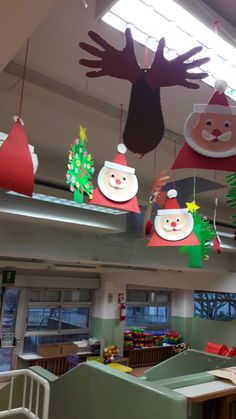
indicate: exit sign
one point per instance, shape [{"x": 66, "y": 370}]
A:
[{"x": 8, "y": 277}]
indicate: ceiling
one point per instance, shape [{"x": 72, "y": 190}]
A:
[{"x": 53, "y": 106}]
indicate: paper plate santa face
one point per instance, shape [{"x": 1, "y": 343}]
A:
[
  {"x": 211, "y": 129},
  {"x": 116, "y": 180},
  {"x": 117, "y": 185},
  {"x": 173, "y": 225},
  {"x": 176, "y": 226}
]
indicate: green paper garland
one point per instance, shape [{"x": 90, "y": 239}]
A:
[
  {"x": 205, "y": 233},
  {"x": 80, "y": 168},
  {"x": 231, "y": 195}
]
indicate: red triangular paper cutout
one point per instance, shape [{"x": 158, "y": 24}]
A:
[
  {"x": 191, "y": 240},
  {"x": 99, "y": 199},
  {"x": 16, "y": 166},
  {"x": 216, "y": 245},
  {"x": 188, "y": 158}
]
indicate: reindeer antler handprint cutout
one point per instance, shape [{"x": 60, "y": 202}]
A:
[{"x": 145, "y": 126}]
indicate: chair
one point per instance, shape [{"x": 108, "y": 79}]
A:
[{"x": 72, "y": 361}]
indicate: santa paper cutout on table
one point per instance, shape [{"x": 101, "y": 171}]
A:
[
  {"x": 210, "y": 133},
  {"x": 117, "y": 184},
  {"x": 173, "y": 225}
]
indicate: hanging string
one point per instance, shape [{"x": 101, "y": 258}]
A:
[
  {"x": 146, "y": 56},
  {"x": 154, "y": 167},
  {"x": 174, "y": 170},
  {"x": 194, "y": 186},
  {"x": 23, "y": 79},
  {"x": 121, "y": 121}
]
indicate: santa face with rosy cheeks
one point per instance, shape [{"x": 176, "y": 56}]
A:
[
  {"x": 173, "y": 224},
  {"x": 117, "y": 185},
  {"x": 212, "y": 134}
]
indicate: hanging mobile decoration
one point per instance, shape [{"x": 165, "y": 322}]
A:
[
  {"x": 173, "y": 225},
  {"x": 156, "y": 197},
  {"x": 205, "y": 234},
  {"x": 210, "y": 134},
  {"x": 117, "y": 184},
  {"x": 18, "y": 163},
  {"x": 80, "y": 168},
  {"x": 145, "y": 125},
  {"x": 216, "y": 240},
  {"x": 231, "y": 195}
]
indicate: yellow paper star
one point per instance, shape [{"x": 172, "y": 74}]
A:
[
  {"x": 192, "y": 206},
  {"x": 82, "y": 134}
]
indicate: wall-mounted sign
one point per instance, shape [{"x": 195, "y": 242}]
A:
[{"x": 8, "y": 277}]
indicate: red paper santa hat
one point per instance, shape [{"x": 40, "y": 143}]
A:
[
  {"x": 119, "y": 162},
  {"x": 172, "y": 205},
  {"x": 218, "y": 103}
]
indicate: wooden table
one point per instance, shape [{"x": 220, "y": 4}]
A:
[{"x": 218, "y": 397}]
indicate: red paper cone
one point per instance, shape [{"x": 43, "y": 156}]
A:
[{"x": 16, "y": 166}]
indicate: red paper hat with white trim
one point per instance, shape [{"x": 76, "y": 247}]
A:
[
  {"x": 172, "y": 205},
  {"x": 119, "y": 162},
  {"x": 218, "y": 102}
]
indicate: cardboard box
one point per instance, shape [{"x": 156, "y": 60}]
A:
[
  {"x": 49, "y": 350},
  {"x": 68, "y": 348}
]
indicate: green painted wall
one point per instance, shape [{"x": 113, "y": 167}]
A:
[
  {"x": 197, "y": 332},
  {"x": 112, "y": 330}
]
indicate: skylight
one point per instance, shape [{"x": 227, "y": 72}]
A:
[{"x": 151, "y": 20}]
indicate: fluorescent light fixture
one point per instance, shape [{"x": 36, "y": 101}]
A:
[
  {"x": 151, "y": 20},
  {"x": 67, "y": 202}
]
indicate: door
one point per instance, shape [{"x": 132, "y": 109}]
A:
[{"x": 8, "y": 310}]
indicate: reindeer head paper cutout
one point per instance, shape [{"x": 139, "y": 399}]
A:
[
  {"x": 145, "y": 125},
  {"x": 210, "y": 134}
]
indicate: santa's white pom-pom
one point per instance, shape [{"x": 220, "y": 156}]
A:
[
  {"x": 220, "y": 85},
  {"x": 121, "y": 148},
  {"x": 16, "y": 118},
  {"x": 172, "y": 193}
]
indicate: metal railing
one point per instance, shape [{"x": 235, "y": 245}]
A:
[{"x": 32, "y": 401}]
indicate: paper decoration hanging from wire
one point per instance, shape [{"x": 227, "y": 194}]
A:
[
  {"x": 156, "y": 197},
  {"x": 145, "y": 125},
  {"x": 231, "y": 195},
  {"x": 205, "y": 234},
  {"x": 117, "y": 184},
  {"x": 80, "y": 168},
  {"x": 18, "y": 162},
  {"x": 210, "y": 134},
  {"x": 173, "y": 225}
]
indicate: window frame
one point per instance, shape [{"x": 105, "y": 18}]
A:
[
  {"x": 59, "y": 304},
  {"x": 214, "y": 299},
  {"x": 150, "y": 303}
]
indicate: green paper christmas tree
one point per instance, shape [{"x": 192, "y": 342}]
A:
[
  {"x": 231, "y": 195},
  {"x": 204, "y": 232},
  {"x": 80, "y": 168}
]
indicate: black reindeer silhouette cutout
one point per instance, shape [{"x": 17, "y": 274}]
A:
[{"x": 145, "y": 125}]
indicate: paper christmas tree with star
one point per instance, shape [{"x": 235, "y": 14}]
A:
[
  {"x": 205, "y": 234},
  {"x": 173, "y": 225},
  {"x": 80, "y": 168}
]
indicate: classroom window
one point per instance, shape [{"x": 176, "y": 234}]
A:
[
  {"x": 215, "y": 305},
  {"x": 148, "y": 309},
  {"x": 57, "y": 315}
]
